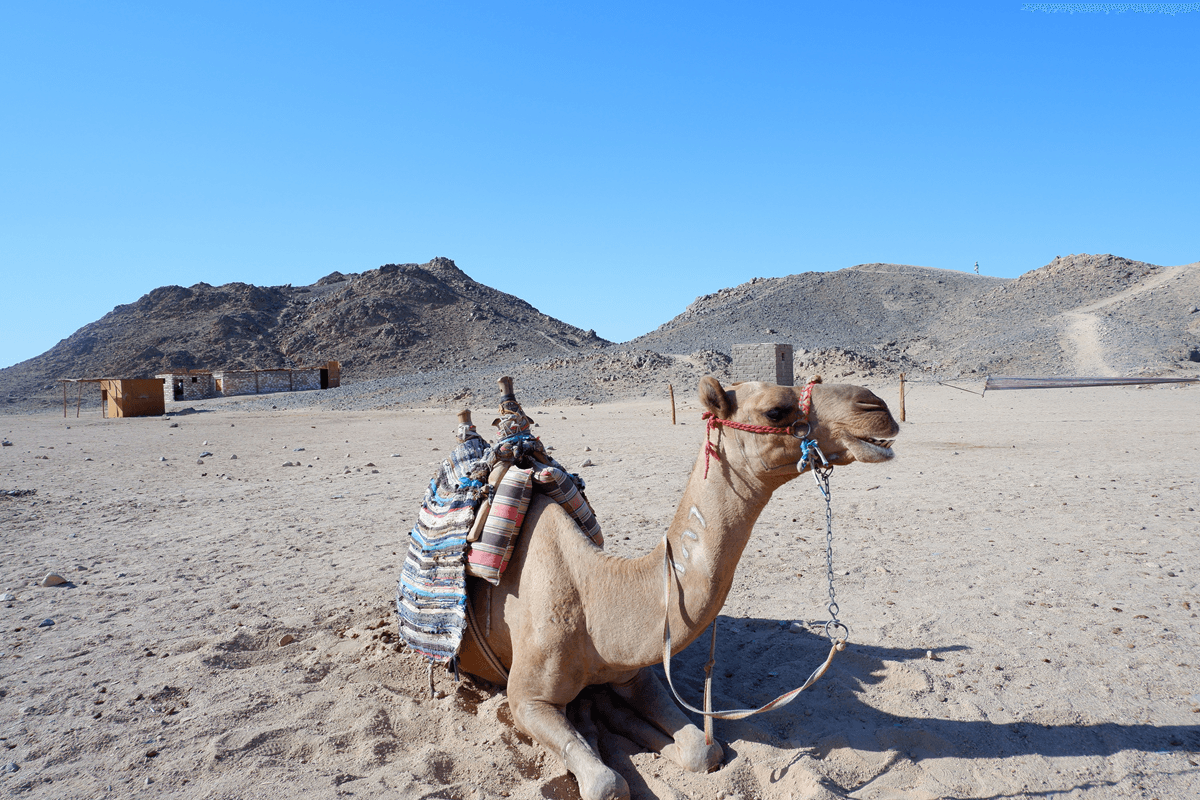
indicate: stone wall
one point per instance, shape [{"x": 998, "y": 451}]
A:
[
  {"x": 264, "y": 381},
  {"x": 763, "y": 362},
  {"x": 183, "y": 387}
]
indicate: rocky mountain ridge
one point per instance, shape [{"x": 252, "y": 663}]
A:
[{"x": 412, "y": 333}]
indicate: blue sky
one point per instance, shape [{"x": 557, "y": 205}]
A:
[{"x": 606, "y": 162}]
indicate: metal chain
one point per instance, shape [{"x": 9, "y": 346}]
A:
[{"x": 821, "y": 473}]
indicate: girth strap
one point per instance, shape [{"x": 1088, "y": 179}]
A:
[{"x": 488, "y": 655}]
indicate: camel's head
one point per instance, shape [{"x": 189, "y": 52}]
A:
[{"x": 848, "y": 422}]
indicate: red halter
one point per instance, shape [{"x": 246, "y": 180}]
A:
[{"x": 715, "y": 422}]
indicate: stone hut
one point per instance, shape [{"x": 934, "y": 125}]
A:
[
  {"x": 185, "y": 386},
  {"x": 763, "y": 362},
  {"x": 202, "y": 384}
]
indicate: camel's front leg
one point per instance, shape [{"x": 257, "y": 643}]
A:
[
  {"x": 645, "y": 693},
  {"x": 546, "y": 722}
]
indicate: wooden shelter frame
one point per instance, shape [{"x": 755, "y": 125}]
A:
[{"x": 79, "y": 382}]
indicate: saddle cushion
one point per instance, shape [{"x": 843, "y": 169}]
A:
[
  {"x": 488, "y": 557},
  {"x": 561, "y": 488}
]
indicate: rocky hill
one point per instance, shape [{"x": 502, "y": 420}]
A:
[
  {"x": 1083, "y": 314},
  {"x": 408, "y": 333},
  {"x": 398, "y": 318}
]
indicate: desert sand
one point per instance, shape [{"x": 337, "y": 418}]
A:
[{"x": 1020, "y": 584}]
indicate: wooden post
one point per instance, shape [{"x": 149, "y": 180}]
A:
[
  {"x": 671, "y": 389},
  {"x": 902, "y": 397},
  {"x": 64, "y": 383}
]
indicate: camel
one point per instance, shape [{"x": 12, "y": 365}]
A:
[{"x": 567, "y": 616}]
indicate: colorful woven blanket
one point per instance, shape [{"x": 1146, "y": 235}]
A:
[{"x": 432, "y": 594}]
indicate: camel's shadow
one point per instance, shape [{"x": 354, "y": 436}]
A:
[{"x": 838, "y": 699}]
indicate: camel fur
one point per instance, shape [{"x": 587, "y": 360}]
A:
[{"x": 566, "y": 615}]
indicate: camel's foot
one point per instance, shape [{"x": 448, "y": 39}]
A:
[
  {"x": 575, "y": 746},
  {"x": 596, "y": 781},
  {"x": 690, "y": 752}
]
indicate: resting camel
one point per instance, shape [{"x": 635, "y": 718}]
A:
[{"x": 566, "y": 615}]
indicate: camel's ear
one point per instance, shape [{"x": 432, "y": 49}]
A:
[{"x": 713, "y": 396}]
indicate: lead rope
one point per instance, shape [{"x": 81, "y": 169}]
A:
[{"x": 821, "y": 471}]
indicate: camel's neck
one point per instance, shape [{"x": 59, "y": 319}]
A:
[{"x": 707, "y": 536}]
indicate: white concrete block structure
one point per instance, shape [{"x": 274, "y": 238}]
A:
[
  {"x": 763, "y": 362},
  {"x": 201, "y": 384}
]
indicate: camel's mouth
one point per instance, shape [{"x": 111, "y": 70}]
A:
[{"x": 868, "y": 449}]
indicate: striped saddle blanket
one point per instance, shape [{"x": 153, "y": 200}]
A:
[{"x": 431, "y": 597}]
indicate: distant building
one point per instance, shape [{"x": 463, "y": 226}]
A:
[
  {"x": 121, "y": 397},
  {"x": 202, "y": 384},
  {"x": 131, "y": 397},
  {"x": 184, "y": 386},
  {"x": 763, "y": 362}
]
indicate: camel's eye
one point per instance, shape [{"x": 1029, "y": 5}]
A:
[{"x": 776, "y": 414}]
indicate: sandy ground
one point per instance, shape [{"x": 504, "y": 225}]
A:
[{"x": 1042, "y": 545}]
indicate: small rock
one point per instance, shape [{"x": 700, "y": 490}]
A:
[
  {"x": 368, "y": 464},
  {"x": 286, "y": 639},
  {"x": 6, "y": 443},
  {"x": 587, "y": 463},
  {"x": 162, "y": 458},
  {"x": 199, "y": 460},
  {"x": 11, "y": 767},
  {"x": 173, "y": 425},
  {"x": 587, "y": 449},
  {"x": 205, "y": 454},
  {"x": 46, "y": 623},
  {"x": 53, "y": 579},
  {"x": 298, "y": 450},
  {"x": 288, "y": 464},
  {"x": 80, "y": 568},
  {"x": 395, "y": 455},
  {"x": 797, "y": 627},
  {"x": 4, "y": 598},
  {"x": 233, "y": 458}
]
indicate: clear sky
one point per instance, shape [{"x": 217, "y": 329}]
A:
[{"x": 608, "y": 162}]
